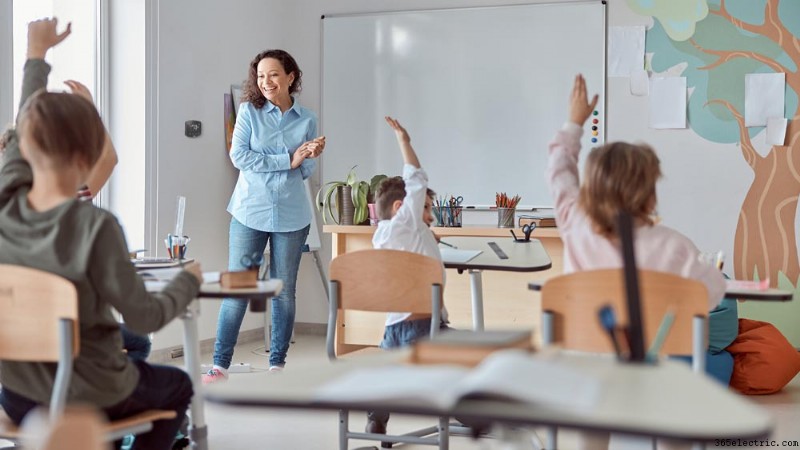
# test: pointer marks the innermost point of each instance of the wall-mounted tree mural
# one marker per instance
(718, 42)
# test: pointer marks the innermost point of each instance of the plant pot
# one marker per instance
(344, 205)
(373, 213)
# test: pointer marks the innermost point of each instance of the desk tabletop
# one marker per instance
(264, 290)
(522, 256)
(764, 295)
(666, 400)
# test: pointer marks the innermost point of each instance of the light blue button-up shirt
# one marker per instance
(270, 195)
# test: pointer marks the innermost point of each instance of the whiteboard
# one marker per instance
(480, 90)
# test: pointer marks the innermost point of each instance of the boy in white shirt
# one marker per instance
(404, 209)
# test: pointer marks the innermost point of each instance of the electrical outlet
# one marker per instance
(176, 353)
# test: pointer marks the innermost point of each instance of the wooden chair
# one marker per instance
(386, 281)
(39, 323)
(570, 305)
(78, 428)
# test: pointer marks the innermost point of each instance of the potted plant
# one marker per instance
(374, 183)
(348, 198)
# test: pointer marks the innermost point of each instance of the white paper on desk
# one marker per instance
(165, 275)
(776, 130)
(763, 97)
(457, 255)
(668, 102)
(625, 50)
(640, 83)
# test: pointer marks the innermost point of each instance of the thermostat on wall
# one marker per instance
(193, 128)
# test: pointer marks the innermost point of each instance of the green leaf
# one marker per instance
(351, 177)
(326, 201)
(359, 195)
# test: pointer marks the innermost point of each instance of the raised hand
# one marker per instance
(579, 106)
(399, 131)
(80, 89)
(42, 36)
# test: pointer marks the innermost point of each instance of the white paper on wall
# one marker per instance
(776, 130)
(625, 50)
(668, 102)
(763, 97)
(640, 83)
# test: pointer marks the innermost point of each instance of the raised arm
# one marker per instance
(102, 169)
(15, 172)
(404, 141)
(562, 165)
(42, 36)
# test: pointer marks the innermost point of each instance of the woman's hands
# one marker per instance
(42, 36)
(579, 106)
(309, 149)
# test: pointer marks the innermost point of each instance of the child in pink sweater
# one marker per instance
(618, 176)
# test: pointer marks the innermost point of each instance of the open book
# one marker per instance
(509, 375)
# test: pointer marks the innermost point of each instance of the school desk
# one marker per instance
(499, 254)
(191, 341)
(665, 400)
(506, 292)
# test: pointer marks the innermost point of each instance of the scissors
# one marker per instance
(252, 261)
(527, 229)
(455, 201)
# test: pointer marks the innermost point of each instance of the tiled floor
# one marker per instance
(281, 429)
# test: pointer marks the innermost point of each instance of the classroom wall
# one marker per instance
(700, 194)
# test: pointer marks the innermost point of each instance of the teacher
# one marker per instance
(274, 147)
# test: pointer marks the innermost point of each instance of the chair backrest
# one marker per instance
(39, 323)
(32, 302)
(79, 428)
(574, 300)
(384, 281)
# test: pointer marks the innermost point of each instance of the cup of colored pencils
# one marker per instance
(506, 209)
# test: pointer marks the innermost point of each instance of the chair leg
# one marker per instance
(552, 435)
(344, 416)
(444, 433)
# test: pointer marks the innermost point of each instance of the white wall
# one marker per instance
(700, 194)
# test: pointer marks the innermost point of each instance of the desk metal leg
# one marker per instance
(476, 283)
(198, 432)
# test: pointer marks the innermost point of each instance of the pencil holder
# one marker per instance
(505, 217)
(447, 216)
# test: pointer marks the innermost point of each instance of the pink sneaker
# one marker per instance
(214, 375)
(275, 368)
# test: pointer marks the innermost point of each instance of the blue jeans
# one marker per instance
(137, 346)
(285, 250)
(160, 387)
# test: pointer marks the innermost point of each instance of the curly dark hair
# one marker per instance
(250, 91)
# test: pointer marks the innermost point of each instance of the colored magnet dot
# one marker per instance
(594, 133)
(594, 139)
(595, 113)
(595, 121)
(594, 128)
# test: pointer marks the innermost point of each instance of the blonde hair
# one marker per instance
(618, 177)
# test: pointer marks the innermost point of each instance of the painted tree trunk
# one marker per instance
(765, 238)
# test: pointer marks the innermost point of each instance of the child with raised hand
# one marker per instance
(404, 213)
(58, 140)
(618, 176)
